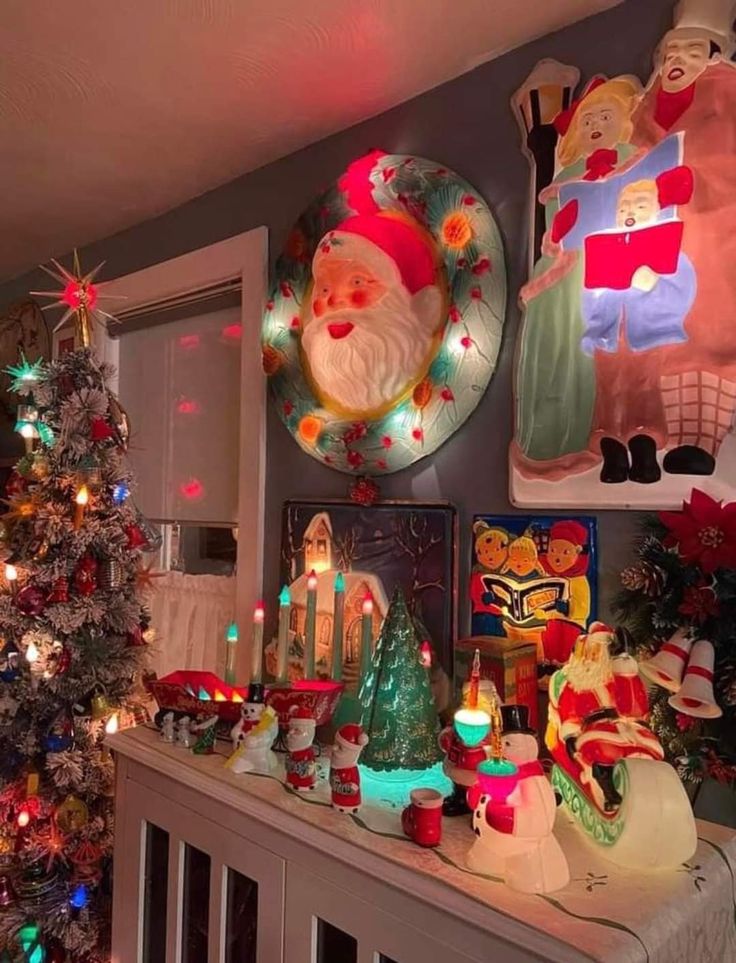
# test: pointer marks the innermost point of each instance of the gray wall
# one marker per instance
(465, 125)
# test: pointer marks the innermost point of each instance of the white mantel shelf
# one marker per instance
(604, 914)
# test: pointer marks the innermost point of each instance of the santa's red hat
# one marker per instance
(302, 713)
(366, 237)
(350, 735)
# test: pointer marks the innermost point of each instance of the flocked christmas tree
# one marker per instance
(398, 711)
(684, 578)
(72, 628)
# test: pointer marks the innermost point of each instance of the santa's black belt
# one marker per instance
(599, 715)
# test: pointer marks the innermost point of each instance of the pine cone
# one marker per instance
(644, 577)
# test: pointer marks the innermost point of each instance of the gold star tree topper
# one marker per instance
(79, 296)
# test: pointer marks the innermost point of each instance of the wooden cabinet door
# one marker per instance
(325, 924)
(189, 891)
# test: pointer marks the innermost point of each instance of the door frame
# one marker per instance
(243, 257)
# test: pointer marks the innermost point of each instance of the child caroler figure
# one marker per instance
(514, 828)
(184, 736)
(206, 731)
(167, 727)
(250, 713)
(301, 769)
(344, 775)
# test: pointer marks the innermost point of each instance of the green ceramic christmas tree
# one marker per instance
(398, 710)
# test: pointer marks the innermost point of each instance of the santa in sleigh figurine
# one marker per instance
(609, 765)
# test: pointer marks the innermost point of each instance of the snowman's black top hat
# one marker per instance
(256, 692)
(516, 719)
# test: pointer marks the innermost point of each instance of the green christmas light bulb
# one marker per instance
(285, 596)
(232, 632)
(339, 582)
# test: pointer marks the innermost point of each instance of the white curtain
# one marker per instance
(190, 614)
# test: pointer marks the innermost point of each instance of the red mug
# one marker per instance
(422, 819)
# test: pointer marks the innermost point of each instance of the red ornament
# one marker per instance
(136, 538)
(30, 600)
(704, 532)
(99, 430)
(134, 638)
(15, 485)
(85, 575)
(59, 591)
(364, 491)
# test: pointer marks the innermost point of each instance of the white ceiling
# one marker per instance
(113, 111)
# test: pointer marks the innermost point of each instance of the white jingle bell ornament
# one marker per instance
(667, 666)
(695, 696)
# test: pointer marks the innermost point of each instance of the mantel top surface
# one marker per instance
(605, 913)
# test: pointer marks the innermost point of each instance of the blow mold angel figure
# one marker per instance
(609, 766)
(514, 813)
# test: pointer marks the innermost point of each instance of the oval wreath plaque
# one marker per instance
(384, 322)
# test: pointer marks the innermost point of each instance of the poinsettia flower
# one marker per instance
(704, 532)
(699, 602)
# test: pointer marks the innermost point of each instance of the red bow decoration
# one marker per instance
(600, 163)
(99, 430)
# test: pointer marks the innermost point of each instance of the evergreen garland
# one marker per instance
(683, 577)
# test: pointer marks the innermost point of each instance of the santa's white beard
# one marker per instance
(376, 362)
(584, 674)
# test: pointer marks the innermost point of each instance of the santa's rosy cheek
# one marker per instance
(359, 299)
(318, 308)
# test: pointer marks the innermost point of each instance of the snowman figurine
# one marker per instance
(344, 774)
(250, 713)
(254, 752)
(167, 727)
(515, 838)
(301, 768)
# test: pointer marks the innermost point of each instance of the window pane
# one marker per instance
(155, 886)
(196, 908)
(335, 946)
(180, 384)
(241, 933)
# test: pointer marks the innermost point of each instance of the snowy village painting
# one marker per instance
(377, 548)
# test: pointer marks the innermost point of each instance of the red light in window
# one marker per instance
(232, 332)
(189, 341)
(187, 406)
(192, 490)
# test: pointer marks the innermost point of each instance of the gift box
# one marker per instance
(511, 664)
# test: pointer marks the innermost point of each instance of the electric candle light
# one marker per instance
(11, 577)
(366, 636)
(337, 631)
(81, 499)
(310, 627)
(283, 638)
(231, 644)
(425, 654)
(256, 655)
(28, 434)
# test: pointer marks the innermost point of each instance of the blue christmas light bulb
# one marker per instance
(79, 897)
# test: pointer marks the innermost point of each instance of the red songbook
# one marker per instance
(612, 257)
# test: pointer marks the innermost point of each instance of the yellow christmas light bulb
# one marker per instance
(112, 725)
(32, 653)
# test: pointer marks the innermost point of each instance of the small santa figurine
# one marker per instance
(514, 832)
(344, 775)
(250, 713)
(301, 768)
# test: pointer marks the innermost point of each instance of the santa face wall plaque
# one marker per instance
(385, 317)
(626, 368)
